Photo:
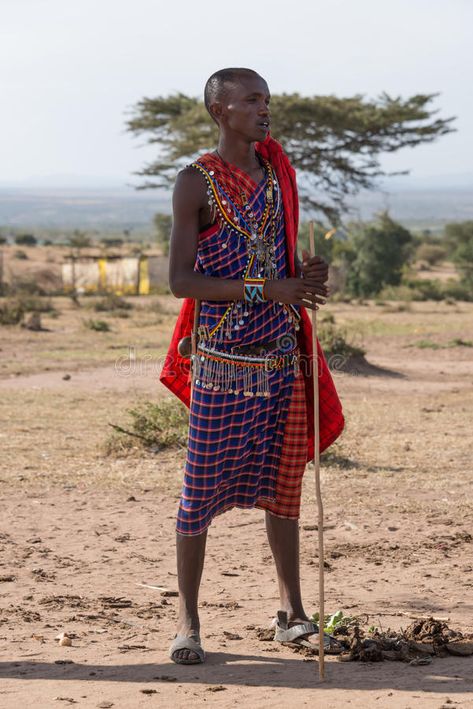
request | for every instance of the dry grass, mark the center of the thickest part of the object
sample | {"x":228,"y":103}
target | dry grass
{"x":81,"y":526}
{"x":57,"y":429}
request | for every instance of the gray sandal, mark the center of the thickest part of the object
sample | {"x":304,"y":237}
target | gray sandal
{"x":182,"y":642}
{"x":295,"y":634}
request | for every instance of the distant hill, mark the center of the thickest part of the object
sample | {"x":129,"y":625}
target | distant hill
{"x":118,"y":208}
{"x":124,"y":208}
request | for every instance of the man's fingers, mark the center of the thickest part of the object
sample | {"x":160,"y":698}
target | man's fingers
{"x":307,"y":259}
{"x":315,"y":290}
{"x":321,"y":271}
{"x":310,"y":305}
{"x":313,"y":300}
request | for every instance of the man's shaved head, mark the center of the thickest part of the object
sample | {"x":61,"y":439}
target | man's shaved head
{"x":219,"y":83}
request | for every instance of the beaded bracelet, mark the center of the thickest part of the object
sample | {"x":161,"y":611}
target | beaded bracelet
{"x":254,"y":290}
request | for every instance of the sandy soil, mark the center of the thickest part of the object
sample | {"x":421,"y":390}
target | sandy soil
{"x":81,"y":533}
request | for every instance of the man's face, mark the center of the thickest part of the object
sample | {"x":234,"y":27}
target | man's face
{"x":244,"y":108}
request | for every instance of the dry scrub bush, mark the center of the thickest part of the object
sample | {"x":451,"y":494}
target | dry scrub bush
{"x":153,"y":426}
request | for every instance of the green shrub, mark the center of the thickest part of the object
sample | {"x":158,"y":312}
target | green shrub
{"x":97,"y":325}
{"x":153,"y":426}
{"x":11,"y":312}
{"x":419,"y":289}
{"x":430,"y":253}
{"x":111,"y":302}
{"x":25,"y":240}
{"x":333,"y":340}
{"x":427,"y":345}
{"x":22,"y":288}
{"x":36,"y":304}
{"x":458,"y":290}
{"x":458,"y":342}
{"x":375,"y":256}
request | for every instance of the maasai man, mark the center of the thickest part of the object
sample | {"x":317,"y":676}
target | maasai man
{"x":233,"y":248}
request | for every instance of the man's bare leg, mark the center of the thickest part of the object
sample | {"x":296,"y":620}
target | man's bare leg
{"x":190,"y":553}
{"x":283,"y":537}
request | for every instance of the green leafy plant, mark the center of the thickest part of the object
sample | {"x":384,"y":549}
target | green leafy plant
{"x":334,"y":340}
{"x":97,"y":325}
{"x":110,"y":302}
{"x":11,"y":312}
{"x":331,"y":622}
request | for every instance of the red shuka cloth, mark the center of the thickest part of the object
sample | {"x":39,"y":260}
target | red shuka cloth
{"x":175,"y":373}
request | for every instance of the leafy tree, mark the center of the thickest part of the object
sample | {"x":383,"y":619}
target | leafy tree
{"x":112,"y":241}
{"x":376,"y":256}
{"x":162,"y":224}
{"x":79,"y":240}
{"x":334,"y":143}
{"x":459,"y":237}
{"x":25,"y":240}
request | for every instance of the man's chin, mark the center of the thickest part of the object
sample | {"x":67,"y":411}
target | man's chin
{"x":261,"y":135}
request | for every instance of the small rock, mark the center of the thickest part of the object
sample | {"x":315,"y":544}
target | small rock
{"x":217,"y":688}
{"x":393,"y":529}
{"x":65,"y":699}
{"x":148,"y":691}
{"x":66,"y":377}
{"x":64,"y":640}
{"x":33,"y":322}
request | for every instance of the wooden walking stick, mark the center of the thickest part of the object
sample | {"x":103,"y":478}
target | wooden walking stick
{"x":320,"y":507}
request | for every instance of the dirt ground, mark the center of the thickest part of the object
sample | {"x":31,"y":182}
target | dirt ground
{"x":84,"y":537}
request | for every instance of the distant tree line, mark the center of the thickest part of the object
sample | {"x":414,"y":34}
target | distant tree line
{"x":383,"y":255}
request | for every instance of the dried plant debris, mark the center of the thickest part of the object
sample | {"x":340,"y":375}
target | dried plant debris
{"x":416,"y":645}
{"x":265,"y":634}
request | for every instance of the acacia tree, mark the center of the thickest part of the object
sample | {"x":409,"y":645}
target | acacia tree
{"x":334,"y":143}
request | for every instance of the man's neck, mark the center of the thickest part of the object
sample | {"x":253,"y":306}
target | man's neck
{"x":239,"y":153}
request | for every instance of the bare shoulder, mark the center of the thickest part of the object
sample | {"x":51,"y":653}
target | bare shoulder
{"x":191,"y":183}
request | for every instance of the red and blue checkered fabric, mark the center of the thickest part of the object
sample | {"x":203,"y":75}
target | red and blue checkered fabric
{"x":236,"y":442}
{"x":175,"y":371}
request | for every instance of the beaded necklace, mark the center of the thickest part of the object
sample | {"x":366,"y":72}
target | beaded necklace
{"x":261,"y":238}
{"x":233,"y":209}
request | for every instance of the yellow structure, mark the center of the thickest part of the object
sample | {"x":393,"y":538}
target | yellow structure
{"x":123,"y":275}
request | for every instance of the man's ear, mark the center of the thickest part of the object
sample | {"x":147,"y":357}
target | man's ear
{"x":216,"y":111}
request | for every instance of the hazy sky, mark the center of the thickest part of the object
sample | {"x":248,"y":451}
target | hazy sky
{"x":70,"y":70}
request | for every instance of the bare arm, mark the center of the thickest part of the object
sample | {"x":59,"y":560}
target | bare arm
{"x":189,"y":210}
{"x":189,"y":202}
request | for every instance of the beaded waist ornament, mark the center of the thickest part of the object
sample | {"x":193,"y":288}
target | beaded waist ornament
{"x":231,"y":373}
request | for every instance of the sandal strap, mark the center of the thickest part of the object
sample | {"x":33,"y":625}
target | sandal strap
{"x":287,"y":635}
{"x":182,"y":642}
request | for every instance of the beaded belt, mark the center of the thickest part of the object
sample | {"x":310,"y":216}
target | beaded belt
{"x":235,"y":373}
